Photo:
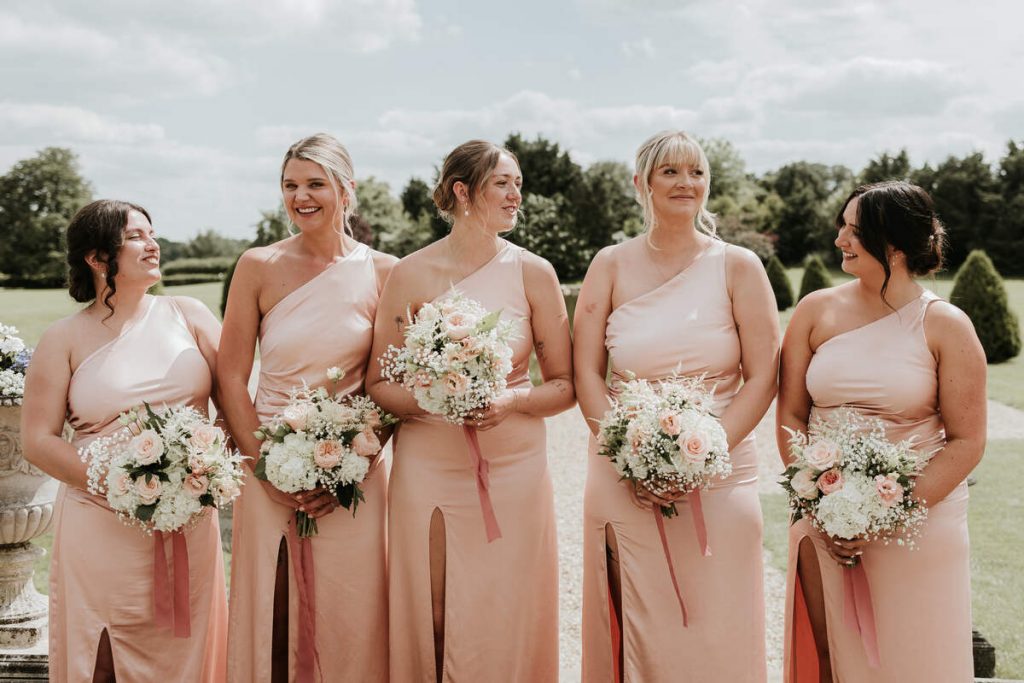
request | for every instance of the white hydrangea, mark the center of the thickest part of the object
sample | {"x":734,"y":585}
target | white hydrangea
{"x":850,"y":511}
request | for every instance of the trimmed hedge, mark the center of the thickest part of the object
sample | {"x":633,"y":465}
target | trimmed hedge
{"x":979,"y":292}
{"x":189,"y":279}
{"x":815,"y":276}
{"x":781,"y":285}
{"x":216,"y":265}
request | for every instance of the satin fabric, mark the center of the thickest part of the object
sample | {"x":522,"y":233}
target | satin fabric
{"x":921,"y":598}
{"x":686,"y":326}
{"x":102,"y":571}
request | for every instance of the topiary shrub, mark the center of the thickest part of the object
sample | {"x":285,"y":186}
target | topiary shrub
{"x":980,"y":293}
{"x":815,"y":276}
{"x":780,"y":283}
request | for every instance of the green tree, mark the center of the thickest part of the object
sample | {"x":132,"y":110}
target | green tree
{"x":815,"y":277}
{"x":171,"y":250}
{"x":967,"y":200}
{"x":418,"y":202}
{"x":607,"y":210}
{"x":781,"y":285}
{"x":38,"y":197}
{"x":390,"y":223}
{"x":209,"y":243}
{"x":980,"y":293}
{"x":886,"y":167}
{"x":809,"y":195}
{"x":1006,"y":241}
{"x":547,"y":169}
{"x":549,"y":230}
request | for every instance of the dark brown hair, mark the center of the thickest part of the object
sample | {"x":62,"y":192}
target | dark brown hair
{"x":901,"y":215}
{"x":98,"y":227}
{"x":470,"y":163}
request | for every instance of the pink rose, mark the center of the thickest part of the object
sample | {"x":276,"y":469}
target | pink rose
{"x":149,"y":488}
{"x":121,"y":484}
{"x":670,"y":423}
{"x":205,"y":436}
{"x":804,"y":484}
{"x":197,"y":465}
{"x":297,"y":416}
{"x":459,"y":325}
{"x":822,"y":454}
{"x":889,"y":490}
{"x":148,"y":447}
{"x":196,"y":485}
{"x":694,"y":446}
{"x":366,"y":443}
{"x":456,"y":384}
{"x":372,"y":419}
{"x":830,"y":481}
{"x":327,"y":454}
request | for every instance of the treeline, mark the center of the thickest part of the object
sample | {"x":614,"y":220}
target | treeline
{"x":569,"y":211}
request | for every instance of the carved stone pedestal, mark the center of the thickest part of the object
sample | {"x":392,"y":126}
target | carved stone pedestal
{"x":26,"y":510}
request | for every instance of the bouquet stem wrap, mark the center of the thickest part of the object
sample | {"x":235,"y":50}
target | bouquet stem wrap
{"x":858,"y":612}
{"x":482,"y":484}
{"x":170,"y":602}
{"x":300,"y":549}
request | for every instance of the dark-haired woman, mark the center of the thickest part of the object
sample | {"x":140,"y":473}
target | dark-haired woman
{"x":124,"y":347}
{"x":463,"y":608}
{"x":890,"y":349}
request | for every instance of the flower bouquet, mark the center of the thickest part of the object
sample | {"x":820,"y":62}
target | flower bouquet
{"x":14,"y":359}
{"x":456,"y":360}
{"x":321,"y":440}
{"x":663,"y":437}
{"x":163,"y":468}
{"x":853,"y":483}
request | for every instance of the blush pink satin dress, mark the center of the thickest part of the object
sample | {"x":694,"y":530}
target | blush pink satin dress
{"x":921,"y":598}
{"x":501,"y":602}
{"x":686,"y":323}
{"x":101,"y":573}
{"x":326,"y":322}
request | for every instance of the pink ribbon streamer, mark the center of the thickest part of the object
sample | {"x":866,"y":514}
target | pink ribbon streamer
{"x":171,"y":601}
{"x":858,"y":612}
{"x":698,"y":522}
{"x":482,"y":484}
{"x":658,"y":518}
{"x":300,"y":550}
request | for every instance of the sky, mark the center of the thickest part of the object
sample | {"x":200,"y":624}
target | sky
{"x":187,"y":107}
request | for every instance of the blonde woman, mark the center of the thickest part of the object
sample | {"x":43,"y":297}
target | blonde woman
{"x":309,"y":301}
{"x":464,"y":609}
{"x":675,"y":299}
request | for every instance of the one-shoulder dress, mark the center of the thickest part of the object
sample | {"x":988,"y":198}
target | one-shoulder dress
{"x":684,"y":325}
{"x":102,"y":571}
{"x":501,"y":599}
{"x":921,"y":598}
{"x":326,"y":322}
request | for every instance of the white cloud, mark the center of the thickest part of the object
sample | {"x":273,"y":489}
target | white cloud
{"x":643,"y":47}
{"x":45,"y":124}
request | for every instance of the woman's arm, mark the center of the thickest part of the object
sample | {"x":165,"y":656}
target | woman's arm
{"x":388,"y":329}
{"x":590,"y":357}
{"x":549,"y":322}
{"x":45,"y":406}
{"x":962,"y":401}
{"x":206,"y":330}
{"x":757,"y":321}
{"x":793,"y":408}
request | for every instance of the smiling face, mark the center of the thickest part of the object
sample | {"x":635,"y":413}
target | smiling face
{"x":500,"y":196}
{"x":677,"y":190}
{"x":138,"y":258}
{"x":857,"y":261}
{"x":312,"y":202}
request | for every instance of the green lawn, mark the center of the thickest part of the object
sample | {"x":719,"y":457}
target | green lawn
{"x":997,"y":537}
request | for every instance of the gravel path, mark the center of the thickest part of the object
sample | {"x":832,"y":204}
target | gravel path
{"x":567,"y":449}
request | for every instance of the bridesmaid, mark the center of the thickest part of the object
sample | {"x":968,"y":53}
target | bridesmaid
{"x":890,"y":349}
{"x":309,"y":300}
{"x":124,"y":348}
{"x":675,"y":299}
{"x":463,"y":609}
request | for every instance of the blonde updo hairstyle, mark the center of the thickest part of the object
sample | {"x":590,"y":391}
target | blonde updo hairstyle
{"x":331,"y":155}
{"x":671,"y":147}
{"x":470,"y":163}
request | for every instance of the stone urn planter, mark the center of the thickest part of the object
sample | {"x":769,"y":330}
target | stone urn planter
{"x":26,"y":512}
